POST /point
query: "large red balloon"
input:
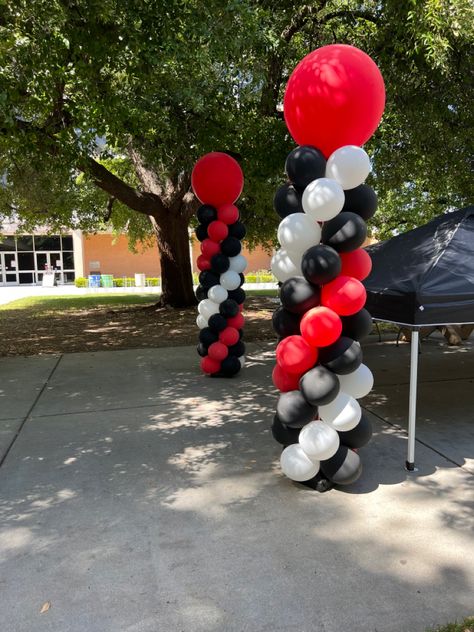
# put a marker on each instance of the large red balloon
(321, 326)
(357, 264)
(335, 96)
(295, 355)
(345, 295)
(284, 381)
(217, 179)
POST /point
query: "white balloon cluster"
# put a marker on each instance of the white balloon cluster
(322, 200)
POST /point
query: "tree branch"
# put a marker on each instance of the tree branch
(352, 15)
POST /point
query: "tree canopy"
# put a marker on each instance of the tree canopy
(106, 104)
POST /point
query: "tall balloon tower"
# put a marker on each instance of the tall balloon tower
(333, 103)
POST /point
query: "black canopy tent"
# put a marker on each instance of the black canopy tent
(424, 277)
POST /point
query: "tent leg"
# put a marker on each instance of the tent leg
(410, 463)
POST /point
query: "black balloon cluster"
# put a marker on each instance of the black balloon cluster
(220, 292)
(320, 265)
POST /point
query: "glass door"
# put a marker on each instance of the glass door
(9, 268)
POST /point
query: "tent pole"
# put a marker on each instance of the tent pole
(410, 463)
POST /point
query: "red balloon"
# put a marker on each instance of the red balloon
(209, 365)
(203, 263)
(217, 230)
(335, 96)
(345, 295)
(229, 336)
(218, 351)
(217, 179)
(321, 326)
(284, 381)
(357, 264)
(209, 248)
(228, 213)
(237, 321)
(295, 355)
(241, 307)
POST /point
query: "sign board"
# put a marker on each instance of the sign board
(49, 279)
(94, 265)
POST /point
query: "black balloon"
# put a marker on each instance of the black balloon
(304, 164)
(217, 322)
(358, 326)
(343, 468)
(201, 293)
(294, 411)
(238, 349)
(241, 334)
(320, 264)
(206, 214)
(242, 278)
(359, 436)
(229, 308)
(220, 263)
(230, 366)
(319, 386)
(361, 200)
(207, 279)
(345, 232)
(342, 357)
(287, 200)
(237, 295)
(201, 232)
(285, 323)
(283, 434)
(298, 296)
(207, 336)
(202, 349)
(237, 230)
(231, 246)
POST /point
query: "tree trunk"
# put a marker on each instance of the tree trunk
(176, 274)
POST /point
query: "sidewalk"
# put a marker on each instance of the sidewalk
(141, 496)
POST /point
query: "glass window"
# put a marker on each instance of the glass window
(67, 242)
(25, 242)
(68, 260)
(69, 277)
(47, 243)
(26, 261)
(7, 243)
(26, 277)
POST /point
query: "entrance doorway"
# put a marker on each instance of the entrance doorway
(8, 268)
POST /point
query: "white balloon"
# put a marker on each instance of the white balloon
(207, 308)
(230, 280)
(283, 267)
(323, 199)
(359, 383)
(237, 263)
(242, 361)
(319, 441)
(201, 322)
(349, 165)
(217, 294)
(298, 232)
(296, 464)
(343, 413)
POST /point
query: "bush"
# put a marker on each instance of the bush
(124, 282)
(81, 282)
(153, 281)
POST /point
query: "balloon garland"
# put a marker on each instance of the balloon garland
(217, 181)
(333, 103)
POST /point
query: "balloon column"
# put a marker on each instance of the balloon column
(333, 103)
(217, 181)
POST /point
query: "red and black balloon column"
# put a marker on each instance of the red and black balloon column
(333, 104)
(217, 181)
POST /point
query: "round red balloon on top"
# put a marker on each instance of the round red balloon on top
(217, 179)
(295, 355)
(345, 295)
(321, 326)
(228, 213)
(335, 96)
(356, 263)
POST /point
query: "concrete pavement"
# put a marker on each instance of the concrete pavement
(141, 496)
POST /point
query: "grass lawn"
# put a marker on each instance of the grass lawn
(95, 322)
(463, 626)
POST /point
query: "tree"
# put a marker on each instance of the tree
(106, 105)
